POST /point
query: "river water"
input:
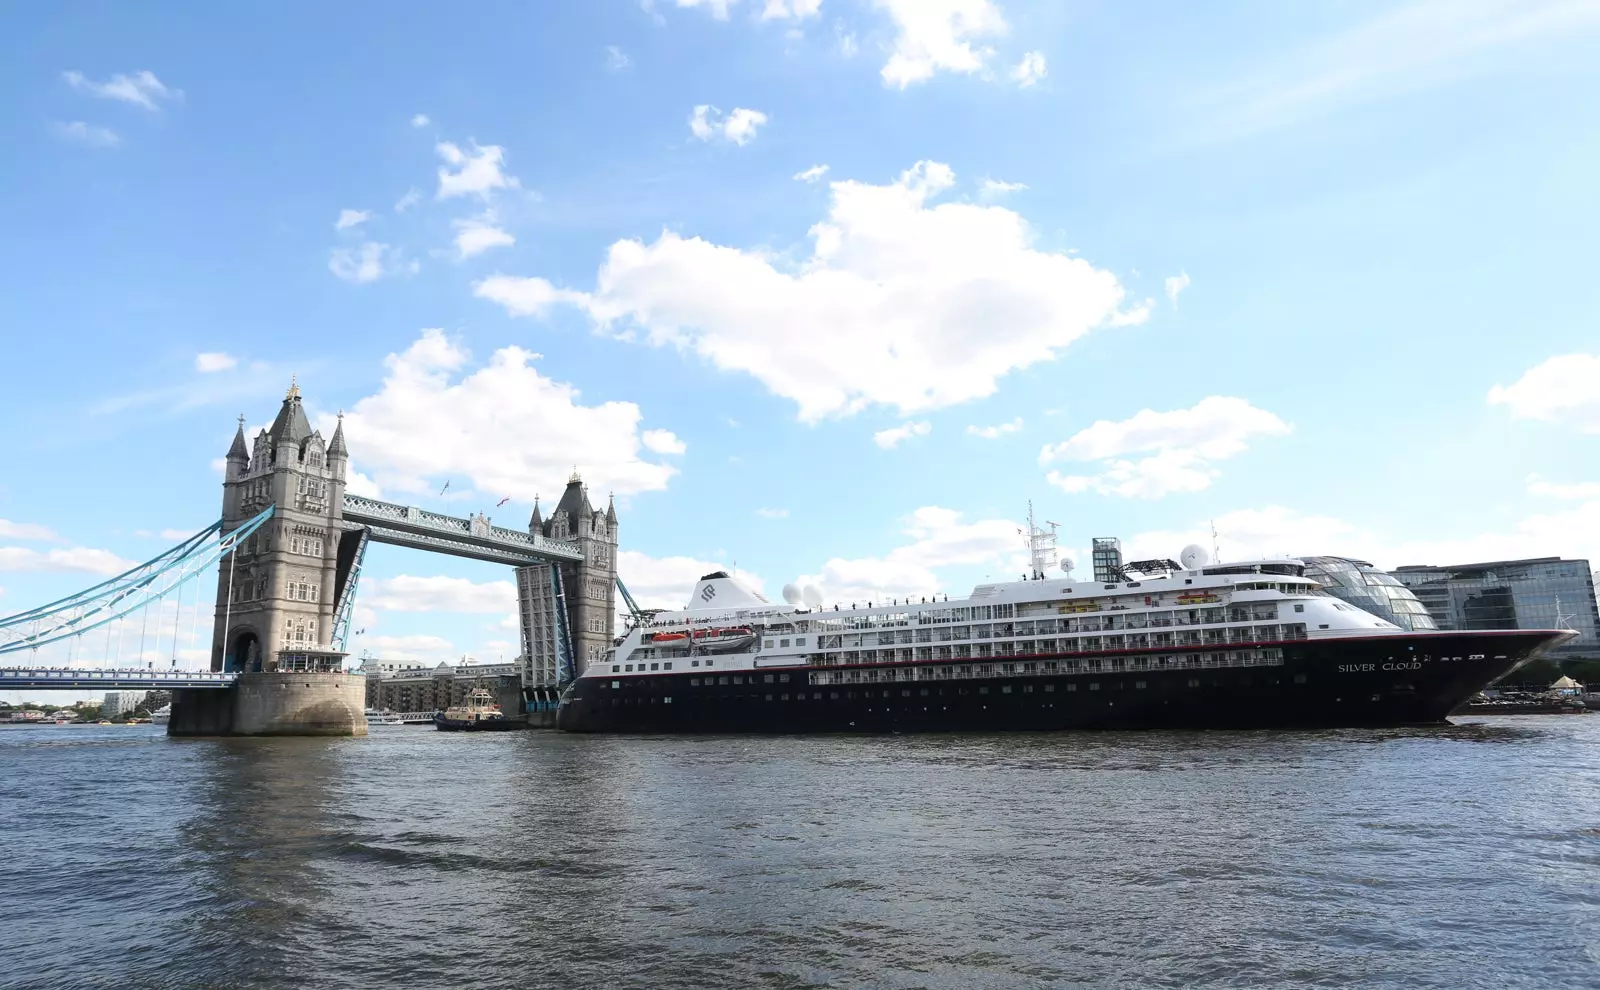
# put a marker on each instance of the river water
(1458, 857)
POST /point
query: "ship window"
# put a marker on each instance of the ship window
(1072, 687)
(667, 665)
(1006, 689)
(1139, 685)
(983, 690)
(630, 668)
(694, 682)
(783, 678)
(1049, 689)
(722, 680)
(738, 680)
(694, 663)
(800, 641)
(1095, 686)
(1299, 607)
(666, 701)
(1323, 626)
(654, 666)
(1194, 682)
(783, 642)
(767, 679)
(767, 643)
(616, 684)
(616, 667)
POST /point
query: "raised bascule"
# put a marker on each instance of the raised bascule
(289, 550)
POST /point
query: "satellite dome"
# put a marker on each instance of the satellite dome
(791, 594)
(1194, 555)
(811, 595)
(1067, 565)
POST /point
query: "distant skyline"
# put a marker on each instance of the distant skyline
(822, 290)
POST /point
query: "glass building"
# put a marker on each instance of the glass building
(1539, 593)
(1358, 583)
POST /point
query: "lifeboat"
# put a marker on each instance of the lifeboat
(667, 637)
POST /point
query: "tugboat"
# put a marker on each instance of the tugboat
(476, 713)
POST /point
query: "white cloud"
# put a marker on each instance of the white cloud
(773, 513)
(70, 559)
(475, 235)
(420, 120)
(417, 648)
(175, 534)
(739, 127)
(357, 483)
(848, 46)
(992, 189)
(617, 59)
(477, 172)
(408, 593)
(811, 174)
(797, 10)
(24, 531)
(502, 427)
(1563, 389)
(1030, 70)
(718, 8)
(902, 302)
(351, 218)
(207, 362)
(1406, 48)
(662, 442)
(1175, 285)
(894, 435)
(368, 263)
(88, 135)
(412, 197)
(938, 539)
(665, 582)
(995, 432)
(938, 34)
(1180, 444)
(1536, 486)
(141, 89)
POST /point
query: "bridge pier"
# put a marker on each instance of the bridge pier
(274, 703)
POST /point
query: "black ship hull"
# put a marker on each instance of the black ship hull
(1399, 679)
(474, 725)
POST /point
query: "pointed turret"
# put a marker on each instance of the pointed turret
(536, 521)
(611, 511)
(291, 425)
(238, 459)
(336, 447)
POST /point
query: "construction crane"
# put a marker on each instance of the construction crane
(633, 606)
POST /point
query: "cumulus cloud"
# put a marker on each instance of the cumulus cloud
(420, 120)
(995, 432)
(503, 427)
(351, 218)
(67, 559)
(895, 435)
(738, 127)
(811, 174)
(475, 235)
(368, 262)
(938, 538)
(24, 531)
(1179, 448)
(662, 442)
(617, 59)
(665, 582)
(1030, 70)
(717, 8)
(938, 35)
(1563, 389)
(1175, 285)
(416, 648)
(902, 302)
(1536, 486)
(142, 89)
(412, 197)
(797, 10)
(212, 361)
(88, 135)
(409, 593)
(477, 171)
(992, 189)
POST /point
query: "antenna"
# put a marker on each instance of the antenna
(1041, 545)
(1216, 554)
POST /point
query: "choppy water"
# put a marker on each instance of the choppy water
(1465, 857)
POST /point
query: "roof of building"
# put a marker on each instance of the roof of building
(239, 450)
(336, 445)
(1484, 566)
(291, 423)
(574, 501)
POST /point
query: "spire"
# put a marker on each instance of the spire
(536, 521)
(336, 447)
(239, 451)
(611, 509)
(294, 387)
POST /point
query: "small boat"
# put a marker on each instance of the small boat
(376, 717)
(476, 713)
(162, 715)
(665, 637)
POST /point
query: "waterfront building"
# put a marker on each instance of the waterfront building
(571, 602)
(429, 689)
(1536, 593)
(1369, 589)
(120, 702)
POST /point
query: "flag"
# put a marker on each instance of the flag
(502, 501)
(445, 488)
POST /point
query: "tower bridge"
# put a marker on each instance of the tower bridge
(289, 550)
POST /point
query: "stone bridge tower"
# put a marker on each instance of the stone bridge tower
(279, 590)
(588, 589)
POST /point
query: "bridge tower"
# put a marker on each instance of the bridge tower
(571, 605)
(278, 592)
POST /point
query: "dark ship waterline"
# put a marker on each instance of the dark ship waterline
(1255, 644)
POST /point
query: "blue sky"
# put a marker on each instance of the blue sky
(1320, 273)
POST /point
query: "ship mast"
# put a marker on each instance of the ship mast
(1041, 545)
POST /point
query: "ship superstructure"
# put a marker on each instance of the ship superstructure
(1182, 644)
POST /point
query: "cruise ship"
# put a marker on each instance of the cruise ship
(1170, 644)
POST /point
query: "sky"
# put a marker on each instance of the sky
(823, 291)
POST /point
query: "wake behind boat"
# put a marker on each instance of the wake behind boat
(1192, 645)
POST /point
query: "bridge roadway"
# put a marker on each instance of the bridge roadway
(110, 678)
(475, 538)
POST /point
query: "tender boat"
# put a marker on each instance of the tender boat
(477, 713)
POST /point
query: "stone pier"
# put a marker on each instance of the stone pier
(274, 703)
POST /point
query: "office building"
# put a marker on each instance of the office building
(1537, 593)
